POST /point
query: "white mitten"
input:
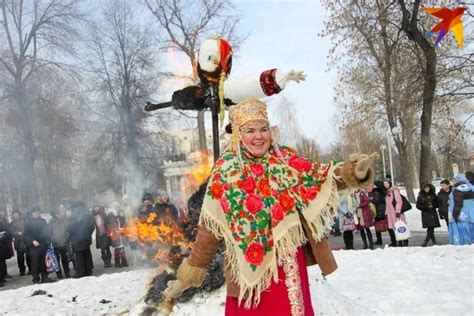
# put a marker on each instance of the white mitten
(282, 78)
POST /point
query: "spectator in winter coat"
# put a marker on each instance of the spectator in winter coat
(80, 228)
(116, 223)
(147, 208)
(59, 228)
(5, 249)
(427, 202)
(166, 211)
(377, 197)
(461, 211)
(4, 219)
(393, 208)
(366, 220)
(17, 227)
(38, 238)
(347, 208)
(102, 240)
(443, 199)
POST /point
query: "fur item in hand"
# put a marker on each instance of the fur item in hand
(357, 172)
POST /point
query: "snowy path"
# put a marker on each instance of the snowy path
(410, 281)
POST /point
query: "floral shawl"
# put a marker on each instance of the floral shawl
(254, 207)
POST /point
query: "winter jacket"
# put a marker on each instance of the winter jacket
(59, 232)
(80, 228)
(443, 200)
(461, 215)
(393, 205)
(347, 207)
(165, 209)
(17, 228)
(37, 229)
(427, 203)
(102, 239)
(377, 197)
(6, 248)
(364, 213)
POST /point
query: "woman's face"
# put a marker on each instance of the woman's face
(386, 184)
(426, 189)
(256, 137)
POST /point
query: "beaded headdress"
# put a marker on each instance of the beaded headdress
(251, 109)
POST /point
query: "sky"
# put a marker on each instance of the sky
(284, 34)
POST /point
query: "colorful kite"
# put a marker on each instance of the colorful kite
(451, 20)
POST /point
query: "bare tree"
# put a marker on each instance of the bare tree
(290, 131)
(187, 22)
(124, 67)
(382, 76)
(382, 90)
(34, 33)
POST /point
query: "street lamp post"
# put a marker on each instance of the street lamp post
(382, 148)
(390, 159)
(395, 131)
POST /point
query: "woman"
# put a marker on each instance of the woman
(366, 219)
(461, 211)
(269, 206)
(393, 207)
(427, 202)
(102, 239)
(377, 197)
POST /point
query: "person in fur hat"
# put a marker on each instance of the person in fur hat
(271, 208)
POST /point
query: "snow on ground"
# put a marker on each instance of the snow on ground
(404, 281)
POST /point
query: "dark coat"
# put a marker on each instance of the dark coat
(6, 248)
(37, 229)
(59, 230)
(427, 203)
(377, 197)
(80, 228)
(18, 231)
(102, 240)
(443, 200)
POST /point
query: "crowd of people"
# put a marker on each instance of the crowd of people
(381, 205)
(68, 237)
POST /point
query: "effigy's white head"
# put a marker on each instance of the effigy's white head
(209, 55)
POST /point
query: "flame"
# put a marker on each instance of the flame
(181, 72)
(165, 231)
(200, 171)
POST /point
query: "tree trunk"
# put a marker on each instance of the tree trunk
(28, 176)
(428, 99)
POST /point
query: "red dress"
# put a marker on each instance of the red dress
(275, 300)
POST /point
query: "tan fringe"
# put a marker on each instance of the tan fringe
(287, 244)
(290, 242)
(323, 217)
